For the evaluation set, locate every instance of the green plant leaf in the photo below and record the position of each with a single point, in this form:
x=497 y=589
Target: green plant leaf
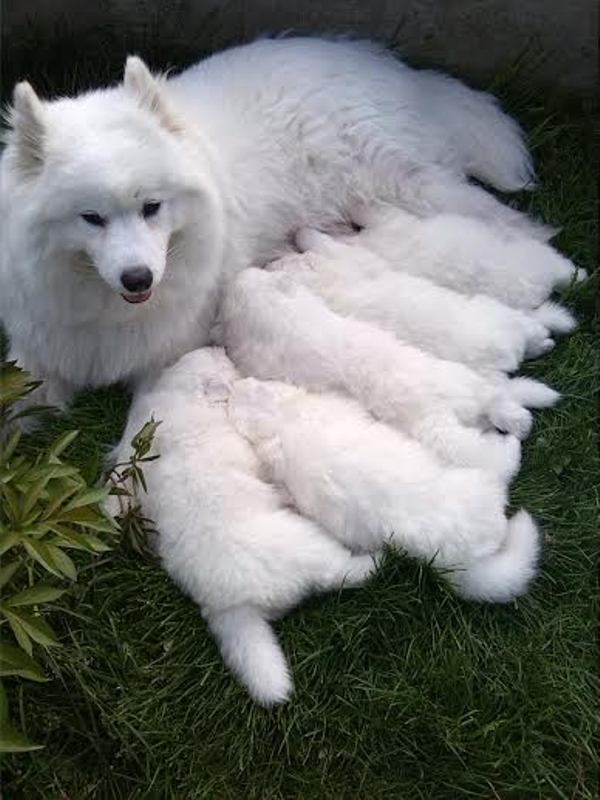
x=79 y=541
x=52 y=558
x=91 y=497
x=58 y=494
x=63 y=562
x=11 y=500
x=14 y=661
x=40 y=552
x=142 y=441
x=8 y=540
x=54 y=471
x=96 y=544
x=13 y=741
x=88 y=518
x=33 y=411
x=139 y=476
x=16 y=467
x=61 y=444
x=19 y=631
x=15 y=383
x=68 y=538
x=36 y=627
x=9 y=448
x=35 y=492
x=7 y=571
x=34 y=532
x=40 y=593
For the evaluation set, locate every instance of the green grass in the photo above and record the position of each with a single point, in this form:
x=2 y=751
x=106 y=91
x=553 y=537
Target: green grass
x=402 y=690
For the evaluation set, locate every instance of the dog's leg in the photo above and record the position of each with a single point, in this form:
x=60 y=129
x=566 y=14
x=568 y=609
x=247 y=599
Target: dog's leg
x=463 y=446
x=350 y=571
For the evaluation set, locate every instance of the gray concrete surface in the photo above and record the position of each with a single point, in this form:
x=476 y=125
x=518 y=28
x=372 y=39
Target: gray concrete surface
x=474 y=38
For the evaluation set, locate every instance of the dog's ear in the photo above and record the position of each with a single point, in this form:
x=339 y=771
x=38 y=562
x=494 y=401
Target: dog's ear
x=26 y=119
x=146 y=88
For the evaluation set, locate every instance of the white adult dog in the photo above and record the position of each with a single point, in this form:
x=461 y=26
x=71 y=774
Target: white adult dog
x=122 y=208
x=225 y=536
x=368 y=484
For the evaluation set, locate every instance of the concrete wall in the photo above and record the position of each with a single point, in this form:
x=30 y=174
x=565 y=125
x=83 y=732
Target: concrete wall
x=474 y=38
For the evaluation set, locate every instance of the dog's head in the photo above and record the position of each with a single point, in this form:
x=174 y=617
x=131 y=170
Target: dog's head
x=108 y=180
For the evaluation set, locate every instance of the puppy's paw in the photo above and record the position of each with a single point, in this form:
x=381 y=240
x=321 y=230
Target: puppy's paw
x=363 y=567
x=510 y=417
x=539 y=345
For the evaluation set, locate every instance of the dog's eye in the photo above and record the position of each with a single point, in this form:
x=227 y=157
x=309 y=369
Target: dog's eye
x=150 y=209
x=93 y=218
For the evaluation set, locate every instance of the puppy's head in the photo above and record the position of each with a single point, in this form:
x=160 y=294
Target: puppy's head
x=205 y=373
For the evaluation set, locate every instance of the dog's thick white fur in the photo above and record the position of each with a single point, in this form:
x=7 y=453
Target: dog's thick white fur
x=211 y=171
x=369 y=484
x=465 y=254
x=275 y=329
x=225 y=536
x=476 y=330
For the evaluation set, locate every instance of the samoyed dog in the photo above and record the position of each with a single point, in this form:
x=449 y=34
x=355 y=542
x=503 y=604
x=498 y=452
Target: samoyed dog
x=274 y=328
x=123 y=208
x=475 y=330
x=368 y=485
x=469 y=255
x=226 y=537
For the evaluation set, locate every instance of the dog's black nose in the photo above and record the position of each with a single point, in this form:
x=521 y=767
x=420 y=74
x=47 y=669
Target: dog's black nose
x=136 y=279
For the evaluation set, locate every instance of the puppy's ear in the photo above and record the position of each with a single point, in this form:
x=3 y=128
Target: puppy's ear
x=27 y=120
x=147 y=89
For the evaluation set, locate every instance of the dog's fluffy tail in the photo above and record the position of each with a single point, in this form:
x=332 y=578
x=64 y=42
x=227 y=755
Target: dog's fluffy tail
x=250 y=649
x=506 y=574
x=532 y=393
x=490 y=144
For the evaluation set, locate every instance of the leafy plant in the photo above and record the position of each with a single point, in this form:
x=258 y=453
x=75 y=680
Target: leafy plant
x=47 y=508
x=126 y=479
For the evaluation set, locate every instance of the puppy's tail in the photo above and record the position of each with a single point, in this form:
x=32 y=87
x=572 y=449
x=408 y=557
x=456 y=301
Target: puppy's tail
x=533 y=394
x=490 y=144
x=506 y=574
x=250 y=649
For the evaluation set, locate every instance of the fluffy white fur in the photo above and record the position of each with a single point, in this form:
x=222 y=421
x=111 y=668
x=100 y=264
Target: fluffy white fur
x=274 y=328
x=240 y=150
x=476 y=330
x=369 y=484
x=465 y=254
x=225 y=536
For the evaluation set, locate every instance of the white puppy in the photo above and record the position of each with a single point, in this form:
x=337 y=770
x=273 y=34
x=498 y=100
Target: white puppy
x=465 y=254
x=369 y=484
x=225 y=535
x=477 y=330
x=276 y=329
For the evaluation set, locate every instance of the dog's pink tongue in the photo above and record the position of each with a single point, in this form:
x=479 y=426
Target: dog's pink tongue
x=138 y=297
